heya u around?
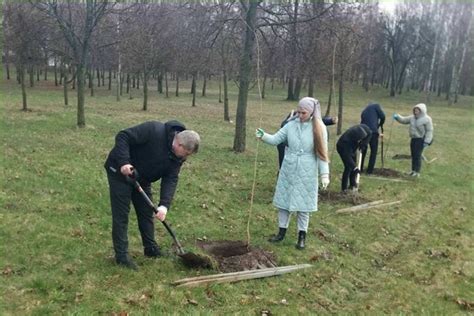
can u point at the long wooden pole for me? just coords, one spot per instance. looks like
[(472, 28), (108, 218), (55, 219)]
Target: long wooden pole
[(238, 276), (366, 206)]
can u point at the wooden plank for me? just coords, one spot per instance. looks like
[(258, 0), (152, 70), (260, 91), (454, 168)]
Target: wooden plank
[(220, 275), (387, 179), (360, 206), (364, 207), (238, 276)]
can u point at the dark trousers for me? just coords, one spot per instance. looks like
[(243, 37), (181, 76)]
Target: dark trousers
[(121, 193), (348, 158), (374, 144), (281, 153), (416, 148)]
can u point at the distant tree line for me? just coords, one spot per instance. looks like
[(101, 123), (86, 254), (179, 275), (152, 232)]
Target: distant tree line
[(423, 46)]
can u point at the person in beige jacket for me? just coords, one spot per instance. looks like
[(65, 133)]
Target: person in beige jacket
[(421, 133)]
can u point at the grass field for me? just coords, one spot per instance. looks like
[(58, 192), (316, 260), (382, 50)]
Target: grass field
[(56, 253)]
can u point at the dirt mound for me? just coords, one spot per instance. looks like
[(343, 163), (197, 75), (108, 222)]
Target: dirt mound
[(342, 197), (401, 156), (233, 256), (385, 172)]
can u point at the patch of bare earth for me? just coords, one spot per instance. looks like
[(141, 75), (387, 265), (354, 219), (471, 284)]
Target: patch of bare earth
[(233, 256), (353, 198), (386, 172)]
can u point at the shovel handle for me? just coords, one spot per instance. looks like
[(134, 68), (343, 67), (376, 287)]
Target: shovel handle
[(359, 162), (150, 203)]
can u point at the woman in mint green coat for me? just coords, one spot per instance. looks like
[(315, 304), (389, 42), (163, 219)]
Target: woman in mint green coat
[(305, 157)]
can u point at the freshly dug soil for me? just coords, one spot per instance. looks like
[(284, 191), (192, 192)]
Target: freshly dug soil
[(401, 156), (233, 256), (385, 172), (346, 198)]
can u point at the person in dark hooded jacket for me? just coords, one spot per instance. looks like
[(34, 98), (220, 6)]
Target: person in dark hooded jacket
[(356, 137), (151, 151), (374, 117)]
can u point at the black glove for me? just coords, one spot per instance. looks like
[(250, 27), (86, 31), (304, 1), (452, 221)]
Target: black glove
[(134, 177)]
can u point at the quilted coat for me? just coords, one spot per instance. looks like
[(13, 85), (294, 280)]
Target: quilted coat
[(421, 127), (297, 185)]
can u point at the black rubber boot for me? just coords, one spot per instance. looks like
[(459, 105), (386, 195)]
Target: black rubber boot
[(152, 252), (127, 263), (301, 240), (279, 237)]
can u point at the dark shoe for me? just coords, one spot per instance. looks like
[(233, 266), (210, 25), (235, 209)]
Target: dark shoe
[(279, 237), (127, 263), (301, 240), (152, 252)]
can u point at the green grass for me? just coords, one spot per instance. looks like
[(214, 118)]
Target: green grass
[(55, 244)]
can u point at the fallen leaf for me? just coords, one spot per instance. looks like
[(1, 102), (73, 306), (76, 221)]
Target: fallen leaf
[(192, 302), (7, 271)]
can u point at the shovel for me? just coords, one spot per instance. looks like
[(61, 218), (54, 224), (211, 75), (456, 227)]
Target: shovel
[(381, 145), (359, 161), (190, 259)]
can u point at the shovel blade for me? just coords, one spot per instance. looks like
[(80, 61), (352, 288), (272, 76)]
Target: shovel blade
[(192, 260)]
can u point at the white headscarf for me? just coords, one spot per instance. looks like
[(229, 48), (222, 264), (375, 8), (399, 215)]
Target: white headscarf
[(311, 105)]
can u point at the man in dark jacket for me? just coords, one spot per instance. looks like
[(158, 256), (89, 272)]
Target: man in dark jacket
[(356, 137), (152, 151), (374, 117)]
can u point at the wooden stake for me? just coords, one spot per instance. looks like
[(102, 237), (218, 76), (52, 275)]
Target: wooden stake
[(387, 179), (238, 276), (366, 206)]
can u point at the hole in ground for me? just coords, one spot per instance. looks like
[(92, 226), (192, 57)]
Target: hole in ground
[(233, 256), (386, 172)]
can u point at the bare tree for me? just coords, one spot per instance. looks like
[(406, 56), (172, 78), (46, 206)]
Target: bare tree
[(24, 33), (77, 21), (249, 11)]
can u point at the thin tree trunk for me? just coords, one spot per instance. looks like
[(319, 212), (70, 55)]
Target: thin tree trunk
[(331, 88), (193, 89), (160, 83), (23, 88), (55, 67), (145, 91), (220, 90), (80, 76), (166, 85), (226, 97), (177, 85), (91, 82), (65, 92), (244, 77), (32, 77), (204, 86), (311, 86), (341, 103), (264, 85), (457, 74)]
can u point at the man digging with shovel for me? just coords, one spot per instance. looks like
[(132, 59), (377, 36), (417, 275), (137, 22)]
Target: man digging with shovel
[(154, 151)]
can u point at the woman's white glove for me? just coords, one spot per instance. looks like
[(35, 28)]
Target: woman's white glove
[(161, 214), (324, 181)]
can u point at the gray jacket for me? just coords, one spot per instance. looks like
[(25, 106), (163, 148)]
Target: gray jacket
[(421, 127)]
